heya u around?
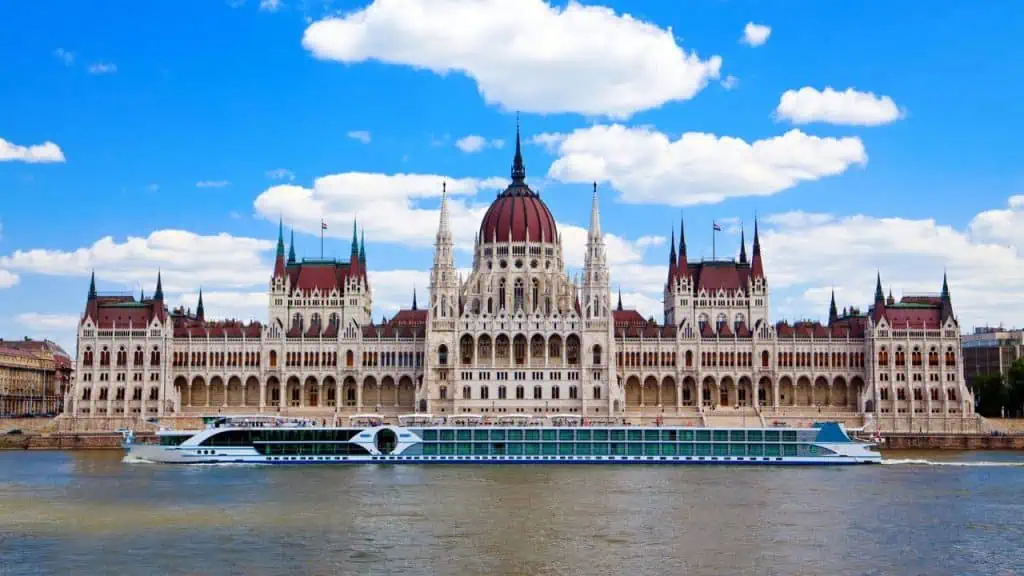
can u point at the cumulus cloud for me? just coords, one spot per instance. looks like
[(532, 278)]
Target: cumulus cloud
[(730, 82), (648, 167), (212, 183), (187, 260), (48, 321), (807, 254), (755, 34), (281, 174), (525, 55), (474, 143), (226, 305), (102, 68), (8, 279), (850, 107), (44, 153), (387, 206), (360, 135)]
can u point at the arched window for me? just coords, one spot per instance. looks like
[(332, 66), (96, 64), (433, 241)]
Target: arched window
[(597, 354), (689, 358), (476, 306), (485, 393), (501, 294), (535, 296), (723, 320), (883, 356), (154, 357), (555, 393), (597, 392), (520, 392), (572, 350), (297, 321), (537, 392), (442, 355), (501, 392), (915, 356), (765, 359), (444, 306), (467, 393), (517, 295), (138, 357), (122, 356), (314, 320), (350, 358), (574, 392), (547, 305), (739, 320), (273, 358), (87, 357), (490, 306), (950, 360), (333, 320), (702, 321)]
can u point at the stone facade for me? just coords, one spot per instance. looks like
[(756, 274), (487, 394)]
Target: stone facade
[(519, 335), (34, 377)]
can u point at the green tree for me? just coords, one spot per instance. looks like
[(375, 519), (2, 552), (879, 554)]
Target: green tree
[(1015, 389), (990, 395)]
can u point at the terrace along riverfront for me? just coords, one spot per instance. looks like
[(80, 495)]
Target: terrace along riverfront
[(423, 439)]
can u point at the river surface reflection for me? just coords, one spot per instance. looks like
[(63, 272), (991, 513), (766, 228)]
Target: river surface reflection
[(924, 513)]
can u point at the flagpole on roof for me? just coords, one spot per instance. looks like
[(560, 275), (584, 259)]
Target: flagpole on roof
[(714, 228), (323, 226)]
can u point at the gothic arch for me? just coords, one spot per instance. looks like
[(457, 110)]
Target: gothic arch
[(634, 395)]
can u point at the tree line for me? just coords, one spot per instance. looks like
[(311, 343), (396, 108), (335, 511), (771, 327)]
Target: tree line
[(996, 395)]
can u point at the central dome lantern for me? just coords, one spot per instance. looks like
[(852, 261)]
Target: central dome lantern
[(518, 214)]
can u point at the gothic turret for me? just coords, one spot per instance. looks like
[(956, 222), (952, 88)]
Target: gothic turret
[(682, 266), (673, 259), (92, 286), (444, 295), (947, 302), (291, 249), (879, 295), (279, 258), (414, 299), (595, 267), (833, 314), (362, 247), (159, 294), (200, 311), (756, 266), (743, 247)]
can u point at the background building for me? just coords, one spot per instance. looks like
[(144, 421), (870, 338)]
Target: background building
[(991, 351), (34, 377)]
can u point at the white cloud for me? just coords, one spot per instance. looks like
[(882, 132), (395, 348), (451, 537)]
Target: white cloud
[(8, 279), (385, 205), (474, 143), (187, 260), (649, 241), (281, 174), (48, 321), (730, 82), (807, 254), (361, 135), (392, 289), (647, 167), (226, 305), (270, 5), (47, 152), (647, 305), (524, 55), (755, 34), (103, 68), (850, 107), (212, 183), (549, 140), (152, 187)]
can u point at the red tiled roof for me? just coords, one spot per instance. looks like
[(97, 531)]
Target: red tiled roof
[(516, 213), (714, 276), (410, 317)]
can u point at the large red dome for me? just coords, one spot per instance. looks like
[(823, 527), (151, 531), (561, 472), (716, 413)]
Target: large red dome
[(518, 212)]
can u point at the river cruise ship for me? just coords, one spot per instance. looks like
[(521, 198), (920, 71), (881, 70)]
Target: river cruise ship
[(423, 439)]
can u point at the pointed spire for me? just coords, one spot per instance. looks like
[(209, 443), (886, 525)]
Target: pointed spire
[(947, 301), (200, 312), (159, 294), (619, 305), (355, 239), (92, 286), (833, 314), (756, 266), (280, 238), (743, 246), (291, 249), (443, 227), (595, 216), (142, 294), (891, 300), (518, 167), (672, 258), (414, 299), (362, 247), (879, 295)]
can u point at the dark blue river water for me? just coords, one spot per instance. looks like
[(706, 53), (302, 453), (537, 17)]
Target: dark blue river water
[(922, 513)]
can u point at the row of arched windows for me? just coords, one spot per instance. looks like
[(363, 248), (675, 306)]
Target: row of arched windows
[(916, 357), (503, 349), (484, 393), (121, 357), (215, 359)]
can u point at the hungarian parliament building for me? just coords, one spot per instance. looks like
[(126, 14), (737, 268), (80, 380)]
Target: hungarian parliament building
[(520, 335)]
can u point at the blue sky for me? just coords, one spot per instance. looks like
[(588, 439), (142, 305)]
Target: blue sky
[(148, 100)]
